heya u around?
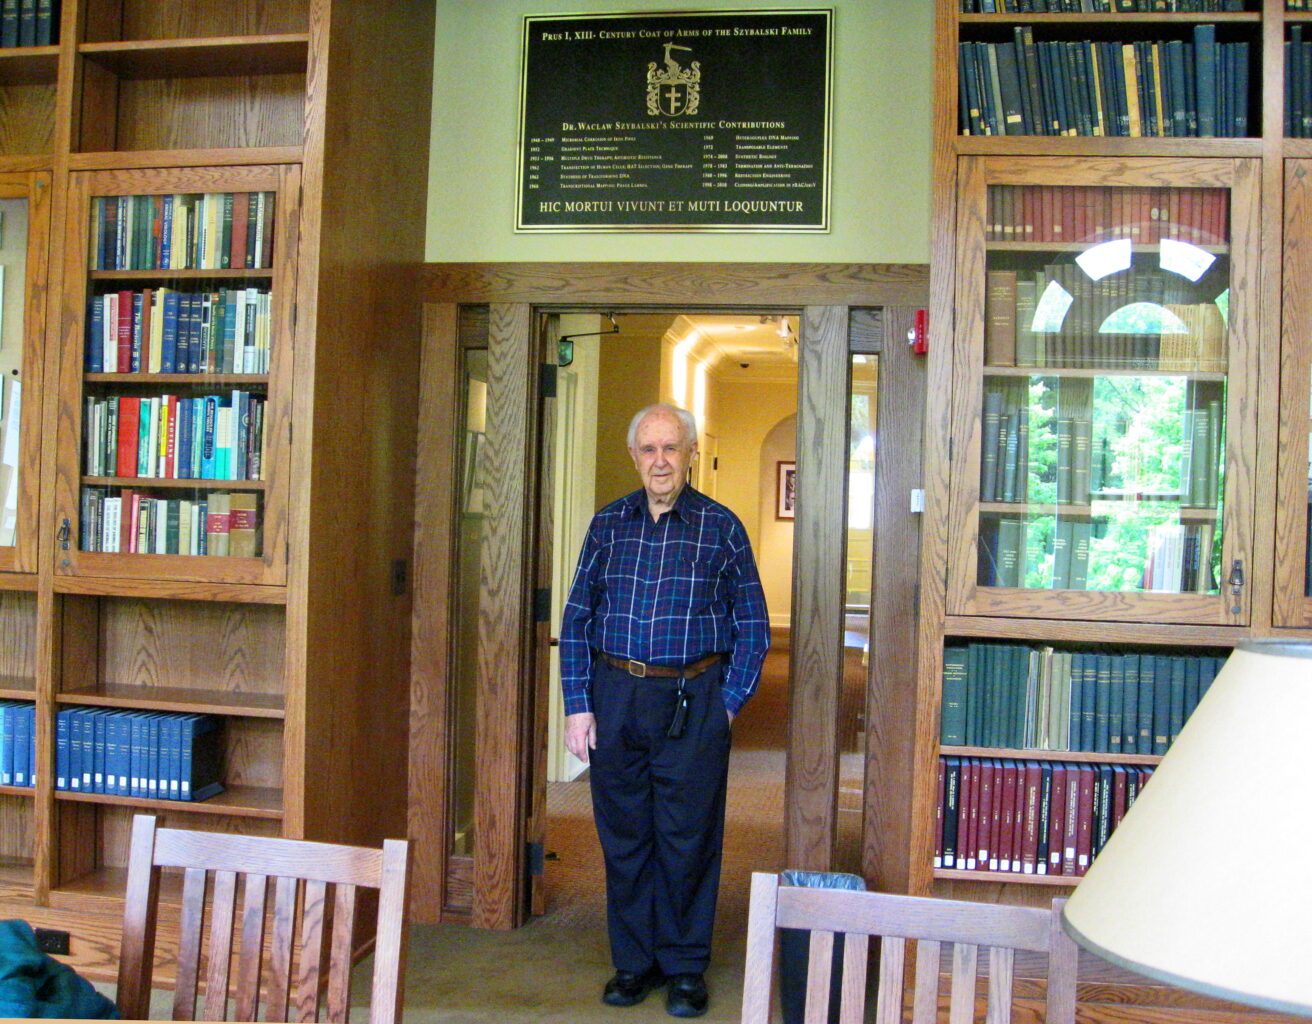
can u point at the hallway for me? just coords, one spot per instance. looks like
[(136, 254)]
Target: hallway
[(553, 968)]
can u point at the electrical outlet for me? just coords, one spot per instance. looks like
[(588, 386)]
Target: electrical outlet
[(51, 940)]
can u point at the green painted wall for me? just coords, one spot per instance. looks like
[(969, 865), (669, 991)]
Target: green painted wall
[(879, 161)]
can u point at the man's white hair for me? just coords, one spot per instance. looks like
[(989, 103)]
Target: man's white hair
[(686, 418)]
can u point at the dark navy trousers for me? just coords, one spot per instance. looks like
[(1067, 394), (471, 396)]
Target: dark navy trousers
[(659, 808)]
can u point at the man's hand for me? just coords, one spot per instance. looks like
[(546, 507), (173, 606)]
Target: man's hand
[(581, 734), (730, 714)]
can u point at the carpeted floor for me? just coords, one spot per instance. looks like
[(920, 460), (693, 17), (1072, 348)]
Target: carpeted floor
[(553, 968)]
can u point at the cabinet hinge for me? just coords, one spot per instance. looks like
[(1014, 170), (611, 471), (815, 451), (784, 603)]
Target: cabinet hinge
[(547, 380)]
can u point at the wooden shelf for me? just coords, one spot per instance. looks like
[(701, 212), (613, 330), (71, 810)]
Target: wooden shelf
[(104, 160), (29, 65), (198, 380), (258, 273), (23, 791), (160, 482), (235, 802), (174, 590), (1112, 146), (17, 688), (202, 58), (1156, 19), (1008, 877), (20, 581), (177, 698), (1025, 754), (1081, 246)]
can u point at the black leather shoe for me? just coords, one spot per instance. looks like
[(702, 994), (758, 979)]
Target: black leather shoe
[(629, 989), (686, 996)]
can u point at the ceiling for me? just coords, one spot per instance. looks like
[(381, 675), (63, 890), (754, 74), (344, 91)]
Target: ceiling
[(734, 347)]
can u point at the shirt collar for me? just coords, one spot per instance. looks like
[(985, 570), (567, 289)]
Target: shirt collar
[(636, 503)]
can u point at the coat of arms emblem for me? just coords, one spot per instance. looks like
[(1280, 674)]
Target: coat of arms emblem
[(673, 90)]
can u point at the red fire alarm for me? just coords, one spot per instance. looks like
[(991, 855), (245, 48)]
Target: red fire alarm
[(918, 336)]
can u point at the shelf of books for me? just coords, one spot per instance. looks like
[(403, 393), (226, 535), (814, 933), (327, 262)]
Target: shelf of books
[(179, 354), (1186, 73), (1043, 748), (1108, 475)]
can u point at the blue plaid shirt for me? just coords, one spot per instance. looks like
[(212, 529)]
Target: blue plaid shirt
[(666, 593)]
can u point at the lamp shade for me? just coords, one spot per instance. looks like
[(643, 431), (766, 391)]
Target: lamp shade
[(1204, 882)]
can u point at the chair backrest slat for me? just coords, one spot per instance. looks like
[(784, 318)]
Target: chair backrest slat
[(963, 928), (892, 970), (852, 1001), (965, 971), (1002, 963), (253, 909), (282, 943), (191, 925), (820, 961), (295, 956), (928, 958), (223, 911), (309, 968), (339, 979)]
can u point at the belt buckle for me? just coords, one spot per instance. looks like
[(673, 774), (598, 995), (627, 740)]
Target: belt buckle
[(637, 668)]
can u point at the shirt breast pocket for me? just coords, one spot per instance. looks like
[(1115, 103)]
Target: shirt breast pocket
[(701, 575)]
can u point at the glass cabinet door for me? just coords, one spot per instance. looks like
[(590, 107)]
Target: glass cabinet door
[(1107, 465), (23, 230)]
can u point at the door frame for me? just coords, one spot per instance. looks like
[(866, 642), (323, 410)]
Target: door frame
[(515, 295)]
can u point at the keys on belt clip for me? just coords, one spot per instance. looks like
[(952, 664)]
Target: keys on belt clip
[(682, 698)]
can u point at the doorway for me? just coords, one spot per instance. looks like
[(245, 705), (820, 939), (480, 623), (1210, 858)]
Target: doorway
[(737, 373), (508, 311)]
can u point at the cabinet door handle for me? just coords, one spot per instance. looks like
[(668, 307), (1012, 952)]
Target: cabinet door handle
[(65, 530), (1236, 582)]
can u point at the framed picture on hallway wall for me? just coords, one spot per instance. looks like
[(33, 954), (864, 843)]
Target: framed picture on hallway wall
[(786, 491)]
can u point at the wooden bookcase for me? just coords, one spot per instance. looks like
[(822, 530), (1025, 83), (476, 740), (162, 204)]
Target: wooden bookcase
[(299, 646), (1252, 373)]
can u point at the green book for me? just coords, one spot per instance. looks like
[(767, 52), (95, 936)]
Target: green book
[(1102, 705), (1130, 705), (1116, 706), (952, 731), (974, 696)]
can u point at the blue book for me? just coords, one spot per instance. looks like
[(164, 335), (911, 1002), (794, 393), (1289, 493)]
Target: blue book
[(84, 733), (182, 463), (1102, 705), (170, 754), (202, 535), (1130, 706), (136, 754), (170, 344), (22, 734), (208, 445), (99, 719), (74, 761), (95, 335), (63, 768), (1162, 704), (1076, 719), (241, 414), (7, 742), (150, 757), (166, 235), (1192, 680), (118, 746), (1144, 734), (1205, 75), (140, 346), (1177, 698), (1116, 706), (201, 757)]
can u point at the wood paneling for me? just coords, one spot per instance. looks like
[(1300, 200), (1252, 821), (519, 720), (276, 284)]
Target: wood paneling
[(430, 644), (695, 285), (503, 619), (819, 543), (891, 695)]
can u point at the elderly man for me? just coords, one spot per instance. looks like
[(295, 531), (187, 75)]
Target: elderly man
[(661, 644)]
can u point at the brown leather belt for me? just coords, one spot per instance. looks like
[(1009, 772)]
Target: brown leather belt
[(642, 670)]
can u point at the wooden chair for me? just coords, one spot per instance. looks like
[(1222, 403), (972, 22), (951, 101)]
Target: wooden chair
[(895, 919), (307, 952)]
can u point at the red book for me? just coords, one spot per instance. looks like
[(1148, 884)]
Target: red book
[(129, 425), (1070, 825), (1056, 818), (984, 836), (124, 361), (1018, 818), (965, 841), (938, 819), (1007, 817), (1084, 819), (1029, 844), (1120, 778), (127, 540), (995, 815)]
